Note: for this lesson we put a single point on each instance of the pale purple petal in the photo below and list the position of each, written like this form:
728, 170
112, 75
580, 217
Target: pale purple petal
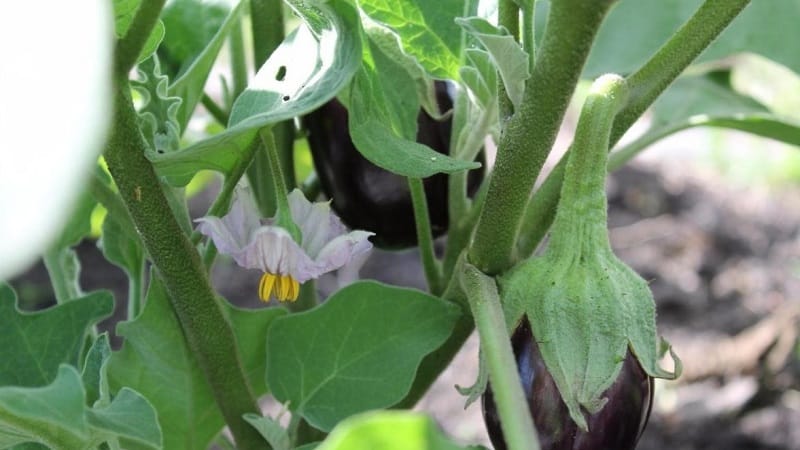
218, 231
342, 249
316, 221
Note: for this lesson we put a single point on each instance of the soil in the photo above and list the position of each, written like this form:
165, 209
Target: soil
724, 266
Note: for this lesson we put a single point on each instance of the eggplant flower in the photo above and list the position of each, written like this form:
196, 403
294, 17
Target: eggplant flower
256, 243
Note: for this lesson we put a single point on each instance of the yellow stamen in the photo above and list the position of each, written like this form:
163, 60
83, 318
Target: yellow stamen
284, 287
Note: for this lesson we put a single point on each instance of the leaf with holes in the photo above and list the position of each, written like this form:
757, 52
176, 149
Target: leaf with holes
312, 64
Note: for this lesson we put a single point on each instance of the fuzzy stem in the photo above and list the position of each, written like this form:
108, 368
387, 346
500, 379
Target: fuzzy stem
238, 61
529, 134
267, 26
208, 333
645, 86
215, 110
484, 300
130, 46
65, 287
528, 33
283, 215
433, 270
582, 214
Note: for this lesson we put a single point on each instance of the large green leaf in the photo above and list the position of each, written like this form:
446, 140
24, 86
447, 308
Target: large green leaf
383, 108
35, 344
389, 430
156, 361
427, 30
635, 29
311, 65
195, 35
56, 416
358, 351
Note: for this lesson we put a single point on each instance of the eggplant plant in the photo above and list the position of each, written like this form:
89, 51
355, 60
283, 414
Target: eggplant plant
569, 343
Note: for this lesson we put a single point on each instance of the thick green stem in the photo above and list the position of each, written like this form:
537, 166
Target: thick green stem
645, 85
431, 266
529, 134
130, 46
484, 300
60, 264
207, 331
238, 61
266, 17
583, 200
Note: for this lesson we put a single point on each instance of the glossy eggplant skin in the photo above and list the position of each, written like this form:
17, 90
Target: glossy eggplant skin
617, 426
367, 197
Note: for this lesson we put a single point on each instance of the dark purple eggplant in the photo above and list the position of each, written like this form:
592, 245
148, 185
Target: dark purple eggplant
367, 197
617, 426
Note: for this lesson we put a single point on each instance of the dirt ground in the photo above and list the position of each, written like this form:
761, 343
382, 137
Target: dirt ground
724, 266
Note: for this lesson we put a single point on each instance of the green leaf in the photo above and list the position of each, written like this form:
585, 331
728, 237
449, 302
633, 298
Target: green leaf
130, 418
506, 54
427, 30
383, 110
389, 430
195, 35
633, 32
119, 247
480, 76
698, 101
56, 416
124, 12
358, 351
35, 344
272, 431
52, 415
92, 371
78, 224
311, 65
250, 327
156, 361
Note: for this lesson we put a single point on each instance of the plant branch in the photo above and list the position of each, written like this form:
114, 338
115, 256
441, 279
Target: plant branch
484, 300
529, 134
433, 270
508, 17
130, 46
208, 333
645, 85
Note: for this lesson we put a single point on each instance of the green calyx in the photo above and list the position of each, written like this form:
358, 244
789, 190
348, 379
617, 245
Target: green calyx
586, 308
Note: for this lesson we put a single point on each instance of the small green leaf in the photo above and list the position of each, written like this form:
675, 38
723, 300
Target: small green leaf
156, 361
56, 416
92, 370
383, 108
195, 36
119, 247
506, 54
52, 415
357, 351
480, 76
311, 65
130, 418
427, 30
389, 430
35, 344
272, 431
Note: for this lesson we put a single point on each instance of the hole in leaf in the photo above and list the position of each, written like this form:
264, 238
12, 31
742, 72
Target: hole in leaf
286, 98
281, 73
